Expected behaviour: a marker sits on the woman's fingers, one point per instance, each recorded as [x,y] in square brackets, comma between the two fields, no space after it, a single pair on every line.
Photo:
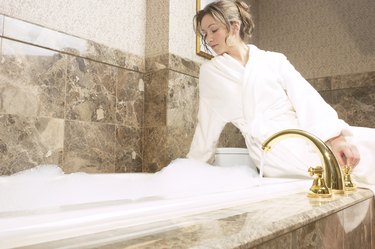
[349,156]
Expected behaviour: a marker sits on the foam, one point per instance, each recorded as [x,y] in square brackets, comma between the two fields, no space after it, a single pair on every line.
[48,186]
[186,177]
[40,171]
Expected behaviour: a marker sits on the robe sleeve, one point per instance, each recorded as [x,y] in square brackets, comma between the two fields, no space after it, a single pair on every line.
[210,123]
[314,114]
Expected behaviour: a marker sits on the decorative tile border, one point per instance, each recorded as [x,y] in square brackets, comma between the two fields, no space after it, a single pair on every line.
[174,63]
[356,80]
[321,84]
[30,33]
[351,95]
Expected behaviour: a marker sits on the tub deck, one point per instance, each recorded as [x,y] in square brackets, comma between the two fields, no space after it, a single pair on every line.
[221,220]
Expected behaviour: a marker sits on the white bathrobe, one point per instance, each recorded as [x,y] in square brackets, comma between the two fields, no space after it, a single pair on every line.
[265,96]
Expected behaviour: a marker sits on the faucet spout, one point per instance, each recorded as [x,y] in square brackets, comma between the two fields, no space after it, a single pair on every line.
[332,170]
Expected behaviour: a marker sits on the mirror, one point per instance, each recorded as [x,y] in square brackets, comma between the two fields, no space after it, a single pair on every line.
[201,50]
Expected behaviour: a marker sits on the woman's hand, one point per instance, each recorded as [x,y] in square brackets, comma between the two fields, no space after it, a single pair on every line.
[346,153]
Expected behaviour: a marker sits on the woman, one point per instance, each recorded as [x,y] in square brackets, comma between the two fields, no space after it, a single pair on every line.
[261,93]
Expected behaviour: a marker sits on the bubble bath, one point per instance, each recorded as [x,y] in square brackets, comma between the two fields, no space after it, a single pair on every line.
[43,203]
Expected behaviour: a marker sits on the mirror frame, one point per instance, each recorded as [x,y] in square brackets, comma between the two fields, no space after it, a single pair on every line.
[200,48]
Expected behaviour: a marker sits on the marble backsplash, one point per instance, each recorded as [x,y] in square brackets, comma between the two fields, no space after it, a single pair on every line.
[171,105]
[68,101]
[352,96]
[87,107]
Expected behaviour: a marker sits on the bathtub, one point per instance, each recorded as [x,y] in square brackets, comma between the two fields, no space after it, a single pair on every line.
[54,206]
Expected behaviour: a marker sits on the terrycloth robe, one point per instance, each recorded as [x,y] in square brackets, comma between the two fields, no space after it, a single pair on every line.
[263,97]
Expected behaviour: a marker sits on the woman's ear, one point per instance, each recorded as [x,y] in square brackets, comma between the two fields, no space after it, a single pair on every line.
[235,26]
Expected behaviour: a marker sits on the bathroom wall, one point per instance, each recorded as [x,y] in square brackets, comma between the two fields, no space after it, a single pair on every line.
[141,74]
[117,24]
[321,38]
[92,120]
[67,101]
[332,44]
[72,87]
[171,93]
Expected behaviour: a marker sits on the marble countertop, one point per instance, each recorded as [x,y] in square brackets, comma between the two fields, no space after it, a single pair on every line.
[241,226]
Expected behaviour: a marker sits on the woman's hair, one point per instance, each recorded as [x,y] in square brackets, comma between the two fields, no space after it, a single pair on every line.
[227,11]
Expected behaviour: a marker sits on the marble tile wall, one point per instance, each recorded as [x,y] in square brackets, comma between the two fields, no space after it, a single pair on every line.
[68,101]
[171,105]
[352,96]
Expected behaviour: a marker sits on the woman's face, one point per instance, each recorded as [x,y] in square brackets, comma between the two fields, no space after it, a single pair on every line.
[214,33]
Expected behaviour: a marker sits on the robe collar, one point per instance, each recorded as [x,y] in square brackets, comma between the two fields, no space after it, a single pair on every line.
[233,68]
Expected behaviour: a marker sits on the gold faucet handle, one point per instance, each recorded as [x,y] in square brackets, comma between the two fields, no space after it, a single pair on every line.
[348,184]
[316,171]
[319,187]
[347,170]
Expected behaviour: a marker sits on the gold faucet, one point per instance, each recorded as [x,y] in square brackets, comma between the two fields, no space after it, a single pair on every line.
[332,171]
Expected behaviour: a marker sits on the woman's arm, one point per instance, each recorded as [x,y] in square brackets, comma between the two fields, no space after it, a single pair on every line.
[316,116]
[206,134]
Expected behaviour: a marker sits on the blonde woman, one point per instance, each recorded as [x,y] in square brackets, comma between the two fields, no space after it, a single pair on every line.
[261,93]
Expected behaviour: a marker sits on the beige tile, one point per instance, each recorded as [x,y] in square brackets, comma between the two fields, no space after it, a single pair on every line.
[27,141]
[90,91]
[231,137]
[156,87]
[129,149]
[155,149]
[32,80]
[178,142]
[184,66]
[355,105]
[89,147]
[157,63]
[182,100]
[327,96]
[130,98]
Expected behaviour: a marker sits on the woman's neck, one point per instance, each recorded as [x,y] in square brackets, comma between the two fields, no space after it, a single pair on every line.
[240,52]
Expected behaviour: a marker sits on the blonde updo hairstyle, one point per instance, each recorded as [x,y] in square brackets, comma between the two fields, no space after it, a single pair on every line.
[226,12]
